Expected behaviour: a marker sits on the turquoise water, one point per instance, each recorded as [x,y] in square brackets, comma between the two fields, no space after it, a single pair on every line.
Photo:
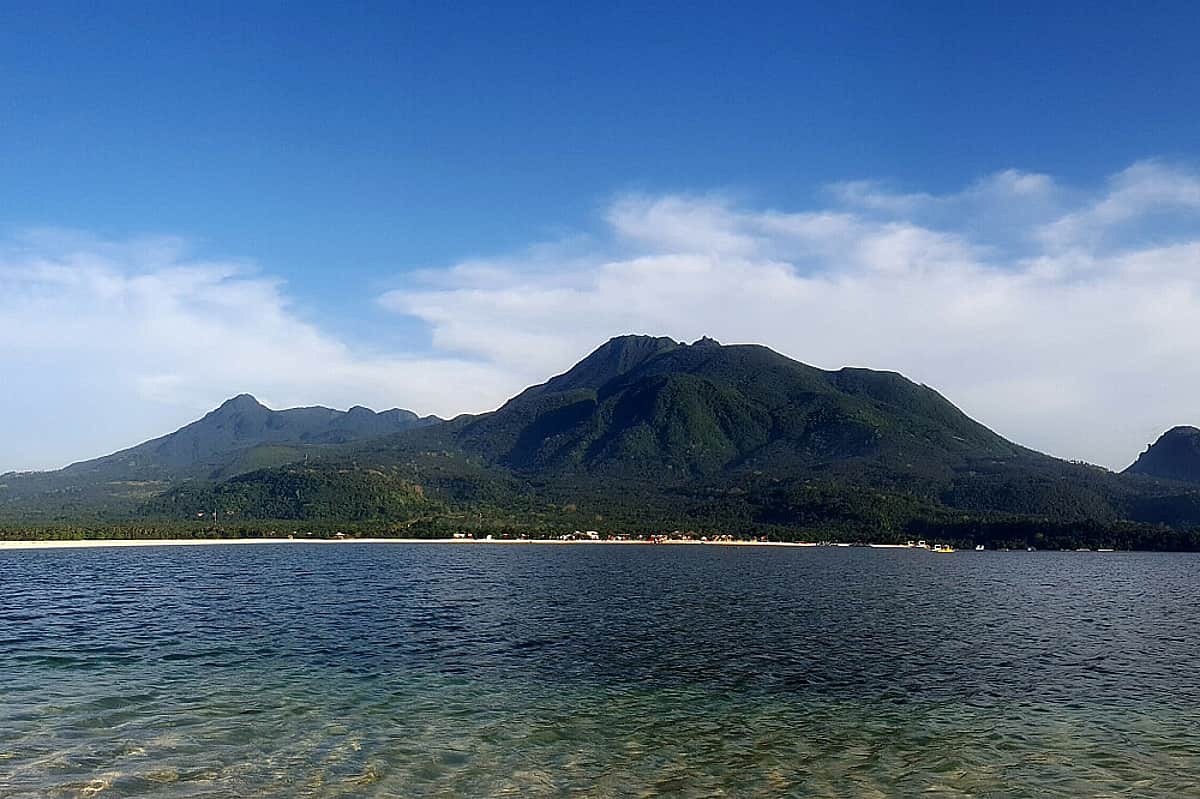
[432,670]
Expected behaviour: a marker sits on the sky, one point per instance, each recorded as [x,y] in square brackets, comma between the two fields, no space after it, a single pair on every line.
[432,206]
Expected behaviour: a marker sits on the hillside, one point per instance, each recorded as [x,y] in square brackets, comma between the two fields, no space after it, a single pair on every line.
[299,492]
[1174,456]
[239,436]
[241,424]
[641,407]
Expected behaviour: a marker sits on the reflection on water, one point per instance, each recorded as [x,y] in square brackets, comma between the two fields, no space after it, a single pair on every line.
[424,670]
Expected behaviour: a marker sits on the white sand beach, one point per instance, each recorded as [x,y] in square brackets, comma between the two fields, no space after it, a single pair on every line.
[184,542]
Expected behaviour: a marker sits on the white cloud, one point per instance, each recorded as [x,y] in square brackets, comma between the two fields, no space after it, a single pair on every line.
[1145,189]
[106,344]
[1064,318]
[681,224]
[872,195]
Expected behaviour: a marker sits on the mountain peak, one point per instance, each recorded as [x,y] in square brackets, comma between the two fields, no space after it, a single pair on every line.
[241,403]
[613,358]
[1174,456]
[222,438]
[634,346]
[1183,431]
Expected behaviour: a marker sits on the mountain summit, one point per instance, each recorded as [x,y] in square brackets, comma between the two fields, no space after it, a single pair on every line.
[235,430]
[1175,456]
[612,359]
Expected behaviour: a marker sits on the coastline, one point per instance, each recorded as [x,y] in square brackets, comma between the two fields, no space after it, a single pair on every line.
[99,543]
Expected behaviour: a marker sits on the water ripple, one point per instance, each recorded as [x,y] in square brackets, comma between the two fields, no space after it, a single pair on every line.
[424,670]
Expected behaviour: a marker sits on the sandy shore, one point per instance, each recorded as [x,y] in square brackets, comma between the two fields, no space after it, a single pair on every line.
[187,542]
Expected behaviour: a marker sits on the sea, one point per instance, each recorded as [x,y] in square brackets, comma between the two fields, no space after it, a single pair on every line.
[441,670]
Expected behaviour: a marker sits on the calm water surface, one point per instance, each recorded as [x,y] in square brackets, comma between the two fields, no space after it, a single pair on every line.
[604,671]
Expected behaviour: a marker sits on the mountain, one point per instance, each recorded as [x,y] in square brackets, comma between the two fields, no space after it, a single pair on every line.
[239,436]
[239,426]
[645,433]
[1175,456]
[651,430]
[656,408]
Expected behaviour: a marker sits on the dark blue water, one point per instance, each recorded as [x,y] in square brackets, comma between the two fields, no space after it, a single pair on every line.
[476,670]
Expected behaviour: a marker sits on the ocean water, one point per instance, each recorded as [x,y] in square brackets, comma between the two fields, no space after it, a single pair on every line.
[425,670]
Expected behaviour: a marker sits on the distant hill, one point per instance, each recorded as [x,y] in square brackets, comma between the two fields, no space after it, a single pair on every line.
[1175,456]
[239,436]
[239,425]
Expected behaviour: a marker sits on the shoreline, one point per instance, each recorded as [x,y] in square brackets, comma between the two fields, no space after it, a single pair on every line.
[100,543]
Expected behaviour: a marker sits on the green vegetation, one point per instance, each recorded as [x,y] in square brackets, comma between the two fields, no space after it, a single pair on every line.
[644,436]
[298,492]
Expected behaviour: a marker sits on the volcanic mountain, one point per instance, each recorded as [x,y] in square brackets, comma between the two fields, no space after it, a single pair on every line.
[651,407]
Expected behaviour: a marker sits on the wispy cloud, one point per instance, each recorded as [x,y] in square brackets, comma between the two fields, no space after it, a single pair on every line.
[108,343]
[1141,194]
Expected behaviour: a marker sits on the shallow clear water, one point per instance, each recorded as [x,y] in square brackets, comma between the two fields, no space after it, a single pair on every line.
[607,671]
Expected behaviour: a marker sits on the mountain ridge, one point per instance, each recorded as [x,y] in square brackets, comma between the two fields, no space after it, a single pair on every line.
[238,436]
[242,423]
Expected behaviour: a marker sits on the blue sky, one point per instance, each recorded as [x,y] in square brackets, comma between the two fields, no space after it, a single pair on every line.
[369,173]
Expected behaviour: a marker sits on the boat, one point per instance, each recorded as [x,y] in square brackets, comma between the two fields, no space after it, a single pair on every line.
[979,547]
[942,548]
